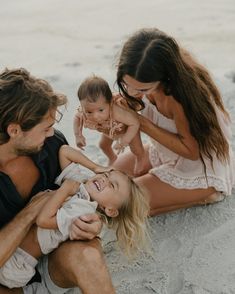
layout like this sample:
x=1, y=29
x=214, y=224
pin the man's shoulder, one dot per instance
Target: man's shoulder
x=58, y=139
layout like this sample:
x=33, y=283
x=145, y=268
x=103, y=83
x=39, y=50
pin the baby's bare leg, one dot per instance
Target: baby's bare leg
x=137, y=149
x=105, y=145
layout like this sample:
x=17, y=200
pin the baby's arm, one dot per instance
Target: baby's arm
x=77, y=128
x=128, y=118
x=47, y=217
x=67, y=154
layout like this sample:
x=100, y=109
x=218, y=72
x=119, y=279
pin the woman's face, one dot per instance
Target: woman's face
x=137, y=89
x=110, y=190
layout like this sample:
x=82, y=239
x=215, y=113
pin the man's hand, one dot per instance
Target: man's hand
x=85, y=227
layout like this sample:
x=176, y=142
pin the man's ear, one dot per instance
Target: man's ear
x=13, y=130
x=111, y=212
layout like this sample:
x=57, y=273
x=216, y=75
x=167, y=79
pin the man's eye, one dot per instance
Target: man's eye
x=101, y=110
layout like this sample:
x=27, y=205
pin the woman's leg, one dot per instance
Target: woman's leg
x=163, y=197
x=126, y=162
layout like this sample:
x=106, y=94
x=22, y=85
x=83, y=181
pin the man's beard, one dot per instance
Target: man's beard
x=27, y=151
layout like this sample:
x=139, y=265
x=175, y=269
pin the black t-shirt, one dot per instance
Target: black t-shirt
x=47, y=162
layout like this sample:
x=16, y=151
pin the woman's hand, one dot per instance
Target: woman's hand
x=85, y=227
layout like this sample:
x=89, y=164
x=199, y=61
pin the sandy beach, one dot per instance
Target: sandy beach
x=63, y=42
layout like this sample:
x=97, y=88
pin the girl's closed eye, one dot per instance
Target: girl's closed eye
x=106, y=175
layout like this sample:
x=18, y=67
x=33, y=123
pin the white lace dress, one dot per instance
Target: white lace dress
x=183, y=173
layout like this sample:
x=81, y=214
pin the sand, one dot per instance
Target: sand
x=63, y=42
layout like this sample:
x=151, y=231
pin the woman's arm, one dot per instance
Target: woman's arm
x=15, y=231
x=47, y=216
x=128, y=118
x=182, y=143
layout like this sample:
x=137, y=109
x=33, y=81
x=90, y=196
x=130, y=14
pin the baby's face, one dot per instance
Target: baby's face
x=110, y=189
x=96, y=111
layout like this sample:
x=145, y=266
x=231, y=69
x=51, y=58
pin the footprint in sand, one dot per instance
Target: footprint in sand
x=176, y=281
x=73, y=64
x=171, y=246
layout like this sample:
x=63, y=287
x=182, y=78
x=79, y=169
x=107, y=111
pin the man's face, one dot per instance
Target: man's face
x=32, y=141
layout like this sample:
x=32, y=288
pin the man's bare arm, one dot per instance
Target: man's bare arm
x=14, y=232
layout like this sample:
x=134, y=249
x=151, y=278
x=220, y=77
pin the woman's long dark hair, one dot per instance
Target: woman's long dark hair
x=149, y=56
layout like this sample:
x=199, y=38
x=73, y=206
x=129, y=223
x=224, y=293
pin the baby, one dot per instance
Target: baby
x=102, y=111
x=115, y=195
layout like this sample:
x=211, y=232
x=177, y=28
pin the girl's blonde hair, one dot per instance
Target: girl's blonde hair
x=131, y=224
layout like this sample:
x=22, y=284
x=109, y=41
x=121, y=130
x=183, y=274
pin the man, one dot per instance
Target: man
x=29, y=164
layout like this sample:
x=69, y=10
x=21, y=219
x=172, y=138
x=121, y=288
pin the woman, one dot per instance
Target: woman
x=189, y=160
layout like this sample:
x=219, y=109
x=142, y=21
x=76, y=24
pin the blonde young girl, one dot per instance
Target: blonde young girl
x=113, y=193
x=102, y=111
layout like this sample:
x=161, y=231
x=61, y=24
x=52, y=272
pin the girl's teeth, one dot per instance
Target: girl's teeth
x=97, y=185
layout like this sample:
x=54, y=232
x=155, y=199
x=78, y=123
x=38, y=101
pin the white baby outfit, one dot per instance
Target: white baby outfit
x=184, y=173
x=20, y=267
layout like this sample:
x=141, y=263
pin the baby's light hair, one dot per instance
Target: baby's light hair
x=131, y=224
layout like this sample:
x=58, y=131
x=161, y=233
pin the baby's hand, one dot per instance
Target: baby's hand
x=80, y=141
x=102, y=169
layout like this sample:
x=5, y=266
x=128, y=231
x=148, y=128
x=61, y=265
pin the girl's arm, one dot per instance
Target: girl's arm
x=128, y=118
x=182, y=143
x=47, y=216
x=67, y=154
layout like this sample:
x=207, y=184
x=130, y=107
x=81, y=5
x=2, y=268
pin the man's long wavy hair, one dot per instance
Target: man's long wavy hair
x=151, y=55
x=131, y=224
x=24, y=100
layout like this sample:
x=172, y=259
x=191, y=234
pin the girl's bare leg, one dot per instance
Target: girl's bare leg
x=105, y=145
x=163, y=197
